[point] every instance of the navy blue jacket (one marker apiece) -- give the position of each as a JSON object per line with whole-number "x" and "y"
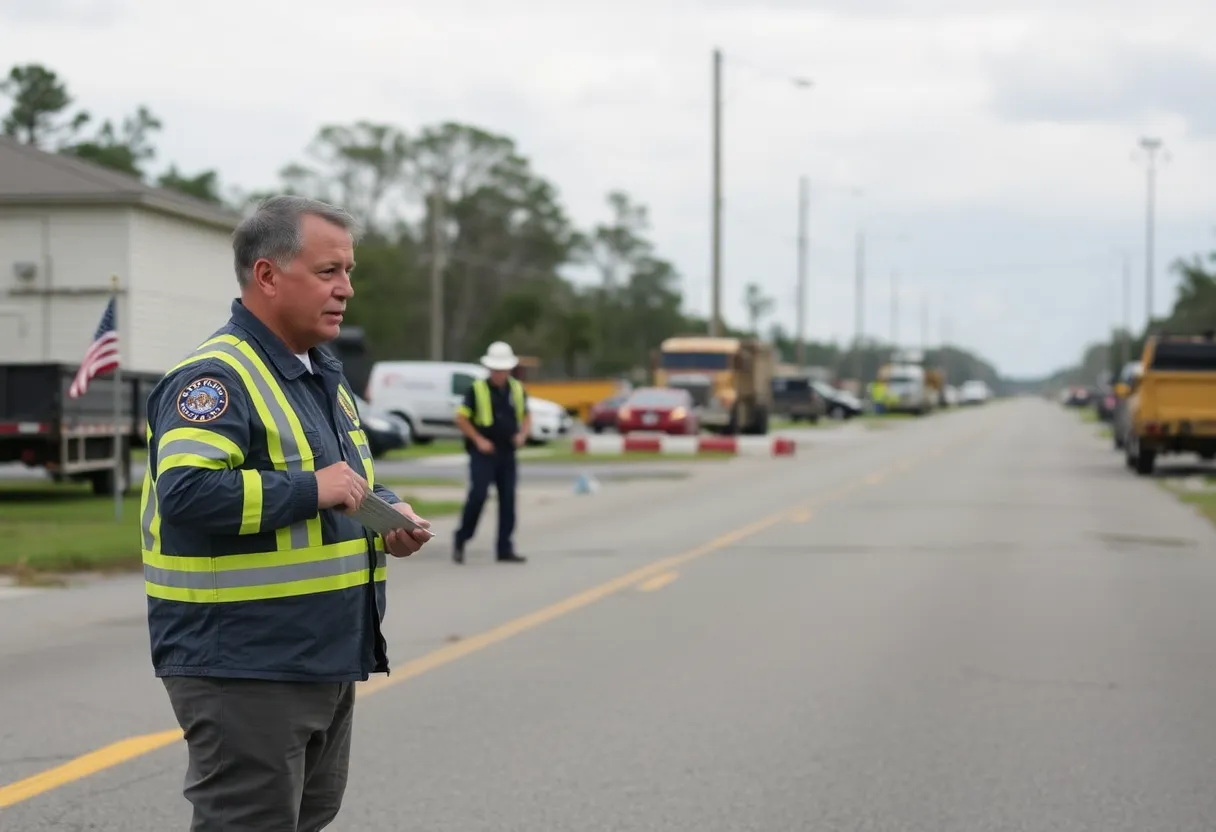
{"x": 202, "y": 500}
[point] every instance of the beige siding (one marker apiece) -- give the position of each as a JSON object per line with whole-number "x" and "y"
{"x": 182, "y": 286}
{"x": 75, "y": 250}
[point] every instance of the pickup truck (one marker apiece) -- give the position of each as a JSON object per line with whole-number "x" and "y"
{"x": 73, "y": 439}
{"x": 1172, "y": 405}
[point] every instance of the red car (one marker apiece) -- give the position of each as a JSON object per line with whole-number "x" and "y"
{"x": 659, "y": 410}
{"x": 603, "y": 414}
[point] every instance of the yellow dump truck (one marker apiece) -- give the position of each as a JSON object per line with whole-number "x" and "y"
{"x": 576, "y": 395}
{"x": 730, "y": 380}
{"x": 1171, "y": 406}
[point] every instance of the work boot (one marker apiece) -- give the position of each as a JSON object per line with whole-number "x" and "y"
{"x": 512, "y": 559}
{"x": 458, "y": 551}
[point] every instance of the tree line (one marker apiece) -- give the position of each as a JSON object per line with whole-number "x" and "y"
{"x": 1193, "y": 313}
{"x": 466, "y": 203}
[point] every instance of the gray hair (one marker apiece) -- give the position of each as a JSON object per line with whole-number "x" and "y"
{"x": 272, "y": 231}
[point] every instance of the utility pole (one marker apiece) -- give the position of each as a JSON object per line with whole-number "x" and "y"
{"x": 800, "y": 350}
{"x": 1151, "y": 147}
{"x": 924, "y": 322}
{"x": 715, "y": 316}
{"x": 859, "y": 279}
{"x": 437, "y": 263}
{"x": 1125, "y": 341}
{"x": 894, "y": 309}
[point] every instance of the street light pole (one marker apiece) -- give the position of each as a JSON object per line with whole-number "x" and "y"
{"x": 894, "y": 309}
{"x": 715, "y": 317}
{"x": 859, "y": 280}
{"x": 1151, "y": 146}
{"x": 800, "y": 350}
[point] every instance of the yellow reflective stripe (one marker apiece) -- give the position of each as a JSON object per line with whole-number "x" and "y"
{"x": 247, "y": 577}
{"x": 517, "y": 398}
{"x": 149, "y": 516}
{"x": 227, "y": 595}
{"x": 481, "y": 402}
{"x": 364, "y": 447}
{"x": 464, "y": 411}
{"x": 203, "y": 442}
{"x": 189, "y": 461}
{"x": 258, "y": 560}
{"x": 251, "y": 504}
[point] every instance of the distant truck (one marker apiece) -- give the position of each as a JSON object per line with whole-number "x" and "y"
{"x": 72, "y": 439}
{"x": 730, "y": 380}
{"x": 1171, "y": 405}
{"x": 906, "y": 390}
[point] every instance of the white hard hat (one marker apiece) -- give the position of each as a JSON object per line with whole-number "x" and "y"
{"x": 499, "y": 356}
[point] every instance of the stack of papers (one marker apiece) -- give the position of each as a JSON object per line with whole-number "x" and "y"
{"x": 380, "y": 516}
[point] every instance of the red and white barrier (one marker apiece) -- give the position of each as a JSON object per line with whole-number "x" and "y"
{"x": 683, "y": 445}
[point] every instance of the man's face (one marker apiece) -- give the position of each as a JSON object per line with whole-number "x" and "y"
{"x": 309, "y": 294}
{"x": 499, "y": 377}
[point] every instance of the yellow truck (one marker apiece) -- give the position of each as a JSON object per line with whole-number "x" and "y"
{"x": 730, "y": 380}
{"x": 576, "y": 395}
{"x": 1171, "y": 406}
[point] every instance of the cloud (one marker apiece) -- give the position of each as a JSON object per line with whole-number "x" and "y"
{"x": 1119, "y": 84}
{"x": 995, "y": 137}
{"x": 83, "y": 14}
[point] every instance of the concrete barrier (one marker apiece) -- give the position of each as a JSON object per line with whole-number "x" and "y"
{"x": 684, "y": 445}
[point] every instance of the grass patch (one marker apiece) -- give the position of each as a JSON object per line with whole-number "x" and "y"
{"x": 51, "y": 528}
{"x": 437, "y": 447}
{"x": 1204, "y": 502}
{"x": 1088, "y": 415}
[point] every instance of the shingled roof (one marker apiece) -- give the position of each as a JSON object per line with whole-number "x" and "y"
{"x": 29, "y": 176}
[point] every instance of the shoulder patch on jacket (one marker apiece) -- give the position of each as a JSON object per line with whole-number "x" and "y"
{"x": 202, "y": 400}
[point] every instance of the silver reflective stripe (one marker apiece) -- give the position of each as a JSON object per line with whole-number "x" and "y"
{"x": 190, "y": 446}
{"x": 381, "y": 560}
{"x": 364, "y": 450}
{"x": 257, "y": 576}
{"x": 292, "y": 454}
{"x": 149, "y": 511}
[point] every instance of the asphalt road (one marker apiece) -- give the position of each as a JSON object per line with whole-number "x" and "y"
{"x": 978, "y": 621}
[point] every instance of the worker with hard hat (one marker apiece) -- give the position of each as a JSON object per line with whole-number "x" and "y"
{"x": 495, "y": 422}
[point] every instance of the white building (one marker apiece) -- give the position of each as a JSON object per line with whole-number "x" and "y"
{"x": 67, "y": 226}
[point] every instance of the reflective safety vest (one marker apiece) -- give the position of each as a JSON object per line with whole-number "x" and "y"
{"x": 483, "y": 410}
{"x": 244, "y": 576}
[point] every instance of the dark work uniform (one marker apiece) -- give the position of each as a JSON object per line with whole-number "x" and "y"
{"x": 497, "y": 468}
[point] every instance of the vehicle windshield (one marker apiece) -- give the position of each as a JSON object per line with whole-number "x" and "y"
{"x": 705, "y": 361}
{"x": 1185, "y": 356}
{"x": 656, "y": 398}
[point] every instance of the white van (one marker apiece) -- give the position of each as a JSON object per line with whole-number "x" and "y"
{"x": 427, "y": 393}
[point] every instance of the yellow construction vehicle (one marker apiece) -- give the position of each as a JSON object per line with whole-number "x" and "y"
{"x": 730, "y": 379}
{"x": 576, "y": 395}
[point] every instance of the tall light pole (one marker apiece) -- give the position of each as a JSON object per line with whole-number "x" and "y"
{"x": 1151, "y": 147}
{"x": 715, "y": 315}
{"x": 859, "y": 283}
{"x": 894, "y": 309}
{"x": 800, "y": 350}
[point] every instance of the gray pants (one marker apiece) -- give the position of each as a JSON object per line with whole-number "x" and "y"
{"x": 264, "y": 756}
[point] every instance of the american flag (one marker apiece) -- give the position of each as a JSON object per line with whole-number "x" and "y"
{"x": 102, "y": 354}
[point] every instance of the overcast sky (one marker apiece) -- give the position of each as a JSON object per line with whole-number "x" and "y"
{"x": 992, "y": 142}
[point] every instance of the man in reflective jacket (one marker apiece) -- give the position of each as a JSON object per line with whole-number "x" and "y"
{"x": 265, "y": 597}
{"x": 494, "y": 420}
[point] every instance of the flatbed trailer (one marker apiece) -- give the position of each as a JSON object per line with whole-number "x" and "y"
{"x": 41, "y": 426}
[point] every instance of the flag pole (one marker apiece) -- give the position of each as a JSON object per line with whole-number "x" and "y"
{"x": 118, "y": 431}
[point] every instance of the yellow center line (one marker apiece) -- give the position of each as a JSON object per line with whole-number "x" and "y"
{"x": 651, "y": 577}
{"x": 658, "y": 581}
